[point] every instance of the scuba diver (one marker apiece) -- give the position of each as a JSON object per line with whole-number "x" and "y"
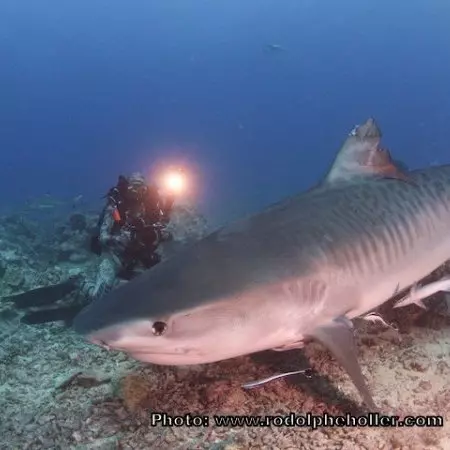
{"x": 129, "y": 231}
{"x": 132, "y": 224}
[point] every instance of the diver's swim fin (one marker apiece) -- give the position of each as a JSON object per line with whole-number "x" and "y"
{"x": 42, "y": 296}
{"x": 66, "y": 314}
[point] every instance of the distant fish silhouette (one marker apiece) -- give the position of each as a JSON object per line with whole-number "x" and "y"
{"x": 47, "y": 201}
{"x": 273, "y": 48}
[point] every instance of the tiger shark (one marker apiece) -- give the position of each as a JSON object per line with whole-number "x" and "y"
{"x": 301, "y": 269}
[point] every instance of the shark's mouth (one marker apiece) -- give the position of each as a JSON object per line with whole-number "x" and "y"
{"x": 168, "y": 359}
{"x": 140, "y": 350}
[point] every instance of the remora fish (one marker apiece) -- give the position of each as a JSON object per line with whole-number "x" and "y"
{"x": 302, "y": 268}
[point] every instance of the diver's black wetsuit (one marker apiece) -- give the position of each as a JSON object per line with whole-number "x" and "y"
{"x": 132, "y": 225}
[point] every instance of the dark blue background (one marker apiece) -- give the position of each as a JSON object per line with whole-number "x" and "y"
{"x": 90, "y": 89}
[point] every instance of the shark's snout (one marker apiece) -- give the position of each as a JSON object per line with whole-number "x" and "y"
{"x": 134, "y": 339}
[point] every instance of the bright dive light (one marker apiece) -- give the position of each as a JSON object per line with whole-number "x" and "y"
{"x": 175, "y": 182}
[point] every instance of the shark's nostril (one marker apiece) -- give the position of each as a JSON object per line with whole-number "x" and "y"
{"x": 103, "y": 338}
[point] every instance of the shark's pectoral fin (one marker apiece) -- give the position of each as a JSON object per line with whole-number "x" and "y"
{"x": 337, "y": 336}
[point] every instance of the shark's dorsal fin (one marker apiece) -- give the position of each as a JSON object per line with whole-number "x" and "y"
{"x": 362, "y": 156}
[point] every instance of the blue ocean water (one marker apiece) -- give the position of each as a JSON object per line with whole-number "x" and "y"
{"x": 254, "y": 96}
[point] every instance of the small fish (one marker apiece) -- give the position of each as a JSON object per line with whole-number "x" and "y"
{"x": 253, "y": 384}
{"x": 376, "y": 318}
{"x": 418, "y": 293}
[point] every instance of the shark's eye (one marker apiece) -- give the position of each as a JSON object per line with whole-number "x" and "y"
{"x": 158, "y": 328}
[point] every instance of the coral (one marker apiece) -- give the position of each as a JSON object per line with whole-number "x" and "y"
{"x": 135, "y": 391}
{"x": 187, "y": 225}
{"x": 53, "y": 393}
{"x": 78, "y": 222}
{"x": 71, "y": 237}
{"x": 20, "y": 261}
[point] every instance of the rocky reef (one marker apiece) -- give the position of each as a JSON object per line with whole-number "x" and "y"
{"x": 58, "y": 392}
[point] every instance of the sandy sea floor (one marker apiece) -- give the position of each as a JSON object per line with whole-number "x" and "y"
{"x": 59, "y": 393}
